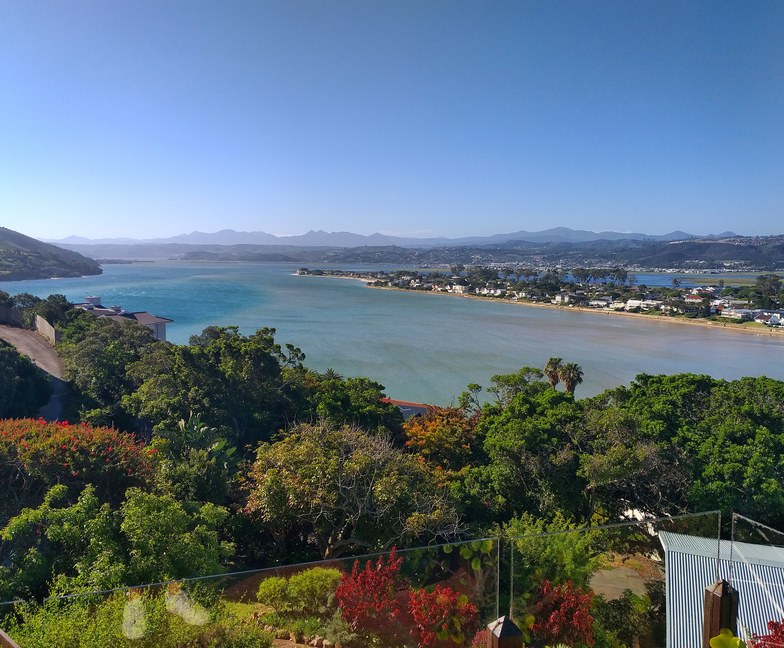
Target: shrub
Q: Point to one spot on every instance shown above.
(313, 589)
(339, 632)
(443, 617)
(562, 614)
(129, 620)
(773, 639)
(24, 388)
(370, 599)
(274, 591)
(35, 455)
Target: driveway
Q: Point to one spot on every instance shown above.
(44, 356)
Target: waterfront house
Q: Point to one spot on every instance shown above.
(92, 304)
(742, 314)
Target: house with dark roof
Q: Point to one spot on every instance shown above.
(157, 324)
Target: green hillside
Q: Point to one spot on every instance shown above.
(22, 257)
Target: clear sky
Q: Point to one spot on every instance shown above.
(152, 118)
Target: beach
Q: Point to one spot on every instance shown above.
(751, 328)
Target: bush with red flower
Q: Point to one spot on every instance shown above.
(36, 455)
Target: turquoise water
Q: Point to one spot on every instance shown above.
(422, 347)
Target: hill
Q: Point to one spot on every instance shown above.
(733, 252)
(23, 257)
(321, 238)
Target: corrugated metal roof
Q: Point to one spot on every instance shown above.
(756, 571)
(751, 553)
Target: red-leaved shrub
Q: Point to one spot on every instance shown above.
(774, 638)
(562, 614)
(443, 618)
(372, 599)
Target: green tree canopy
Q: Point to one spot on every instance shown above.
(345, 489)
(24, 388)
(89, 545)
(226, 378)
(96, 365)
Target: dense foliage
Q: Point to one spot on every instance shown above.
(35, 455)
(228, 453)
(149, 620)
(774, 638)
(24, 388)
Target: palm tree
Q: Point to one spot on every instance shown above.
(571, 374)
(553, 371)
(331, 374)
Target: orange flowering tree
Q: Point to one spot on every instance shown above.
(445, 436)
(35, 455)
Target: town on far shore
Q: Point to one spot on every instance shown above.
(607, 289)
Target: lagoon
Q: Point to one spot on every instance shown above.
(423, 347)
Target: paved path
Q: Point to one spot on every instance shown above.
(44, 356)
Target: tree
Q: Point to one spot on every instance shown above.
(75, 544)
(445, 436)
(553, 371)
(35, 455)
(353, 401)
(532, 456)
(571, 375)
(555, 549)
(768, 285)
(96, 365)
(345, 489)
(194, 462)
(167, 539)
(581, 275)
(627, 469)
(506, 387)
(53, 309)
(726, 436)
(24, 388)
(243, 383)
(768, 289)
(89, 545)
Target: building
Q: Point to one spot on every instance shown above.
(409, 409)
(693, 563)
(92, 304)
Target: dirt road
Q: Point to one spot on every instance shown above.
(44, 356)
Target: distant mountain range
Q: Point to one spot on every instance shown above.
(321, 238)
(22, 257)
(765, 253)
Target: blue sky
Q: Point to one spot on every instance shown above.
(411, 117)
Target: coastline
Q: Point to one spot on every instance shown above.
(760, 331)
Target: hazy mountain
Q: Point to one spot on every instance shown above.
(321, 238)
(22, 257)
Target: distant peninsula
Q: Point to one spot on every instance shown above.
(23, 257)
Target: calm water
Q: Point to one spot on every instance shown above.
(422, 347)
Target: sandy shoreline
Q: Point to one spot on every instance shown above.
(757, 329)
